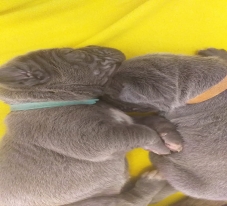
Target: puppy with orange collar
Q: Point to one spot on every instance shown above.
(191, 92)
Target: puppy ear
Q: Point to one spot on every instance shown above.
(22, 77)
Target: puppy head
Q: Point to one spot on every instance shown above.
(67, 73)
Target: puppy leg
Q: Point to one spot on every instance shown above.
(164, 193)
(149, 184)
(165, 129)
(221, 53)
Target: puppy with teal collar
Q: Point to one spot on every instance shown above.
(62, 145)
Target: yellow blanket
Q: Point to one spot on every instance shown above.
(134, 26)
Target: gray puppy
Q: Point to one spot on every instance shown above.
(71, 155)
(166, 83)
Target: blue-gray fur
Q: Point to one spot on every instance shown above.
(62, 155)
(165, 82)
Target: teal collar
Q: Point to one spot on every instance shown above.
(41, 105)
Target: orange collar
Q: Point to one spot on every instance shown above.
(210, 93)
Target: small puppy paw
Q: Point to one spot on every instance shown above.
(158, 148)
(169, 136)
(172, 140)
(151, 182)
(148, 185)
(150, 175)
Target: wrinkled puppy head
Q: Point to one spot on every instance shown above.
(65, 73)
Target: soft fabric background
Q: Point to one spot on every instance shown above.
(134, 26)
